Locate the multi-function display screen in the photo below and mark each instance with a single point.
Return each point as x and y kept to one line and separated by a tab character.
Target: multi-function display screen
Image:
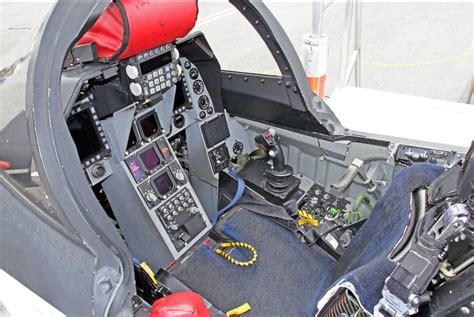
155	63
84	134
149	125
163	184
150	159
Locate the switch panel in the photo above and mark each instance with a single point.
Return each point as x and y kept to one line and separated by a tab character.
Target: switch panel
219	158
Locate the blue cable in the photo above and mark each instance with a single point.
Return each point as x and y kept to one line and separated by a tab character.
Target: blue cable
136	262
238	195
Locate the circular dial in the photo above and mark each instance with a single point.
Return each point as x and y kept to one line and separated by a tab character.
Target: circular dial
203	102
136	89
179	175
193	73
238	147
132	71
198	87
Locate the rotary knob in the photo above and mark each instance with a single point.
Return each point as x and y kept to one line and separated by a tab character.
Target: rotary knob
132	71
174	54
174	227
136	89
179	175
179	70
194	210
151	197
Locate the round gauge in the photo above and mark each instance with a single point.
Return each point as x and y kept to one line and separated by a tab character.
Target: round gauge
193	73
198	87
238	147
203	102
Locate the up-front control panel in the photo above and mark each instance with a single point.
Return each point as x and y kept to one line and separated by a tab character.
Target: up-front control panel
164	189
151	73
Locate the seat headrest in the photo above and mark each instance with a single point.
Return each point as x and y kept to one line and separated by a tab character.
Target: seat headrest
128	27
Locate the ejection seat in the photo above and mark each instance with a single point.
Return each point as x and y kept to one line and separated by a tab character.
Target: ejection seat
290	278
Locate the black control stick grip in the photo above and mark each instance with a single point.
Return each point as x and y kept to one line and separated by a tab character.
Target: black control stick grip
270	143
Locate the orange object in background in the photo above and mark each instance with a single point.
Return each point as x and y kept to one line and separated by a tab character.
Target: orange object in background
317	85
4	165
315	60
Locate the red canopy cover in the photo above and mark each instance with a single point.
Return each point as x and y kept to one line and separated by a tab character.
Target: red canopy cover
128	27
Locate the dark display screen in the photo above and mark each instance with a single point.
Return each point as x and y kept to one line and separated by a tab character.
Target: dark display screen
135	168
155	63
163	184
150	159
149	125
132	139
180	99
84	134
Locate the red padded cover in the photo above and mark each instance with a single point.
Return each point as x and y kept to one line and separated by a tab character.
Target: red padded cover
182	304
151	23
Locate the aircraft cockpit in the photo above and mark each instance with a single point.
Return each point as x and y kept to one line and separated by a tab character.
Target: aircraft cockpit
245	188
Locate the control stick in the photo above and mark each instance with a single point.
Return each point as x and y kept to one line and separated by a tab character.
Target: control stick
278	174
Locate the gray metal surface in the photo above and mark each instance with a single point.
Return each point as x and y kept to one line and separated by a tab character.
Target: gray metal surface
111	279
40	254
138	229
288	61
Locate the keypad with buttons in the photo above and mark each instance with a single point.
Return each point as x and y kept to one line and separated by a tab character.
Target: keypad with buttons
177	210
160	79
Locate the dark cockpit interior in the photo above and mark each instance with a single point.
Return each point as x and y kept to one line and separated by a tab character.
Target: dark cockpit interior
226	183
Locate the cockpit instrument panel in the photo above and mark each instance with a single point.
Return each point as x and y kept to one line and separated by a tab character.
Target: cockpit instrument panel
150	73
87	134
90	140
162	185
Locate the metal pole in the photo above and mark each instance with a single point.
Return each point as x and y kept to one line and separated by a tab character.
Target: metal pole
315	51
358	40
345	45
317	22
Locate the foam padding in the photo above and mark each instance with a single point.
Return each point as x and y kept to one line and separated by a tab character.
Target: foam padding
365	263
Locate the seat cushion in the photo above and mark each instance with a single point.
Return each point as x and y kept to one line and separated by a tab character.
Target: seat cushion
366	263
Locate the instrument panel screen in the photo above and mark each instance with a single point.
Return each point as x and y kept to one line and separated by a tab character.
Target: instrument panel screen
84	134
155	63
163	184
150	159
149	125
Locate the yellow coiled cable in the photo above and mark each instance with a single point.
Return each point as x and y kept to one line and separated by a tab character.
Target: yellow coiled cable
224	245
306	218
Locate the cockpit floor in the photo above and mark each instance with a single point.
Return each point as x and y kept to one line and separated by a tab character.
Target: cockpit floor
286	280
289	278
